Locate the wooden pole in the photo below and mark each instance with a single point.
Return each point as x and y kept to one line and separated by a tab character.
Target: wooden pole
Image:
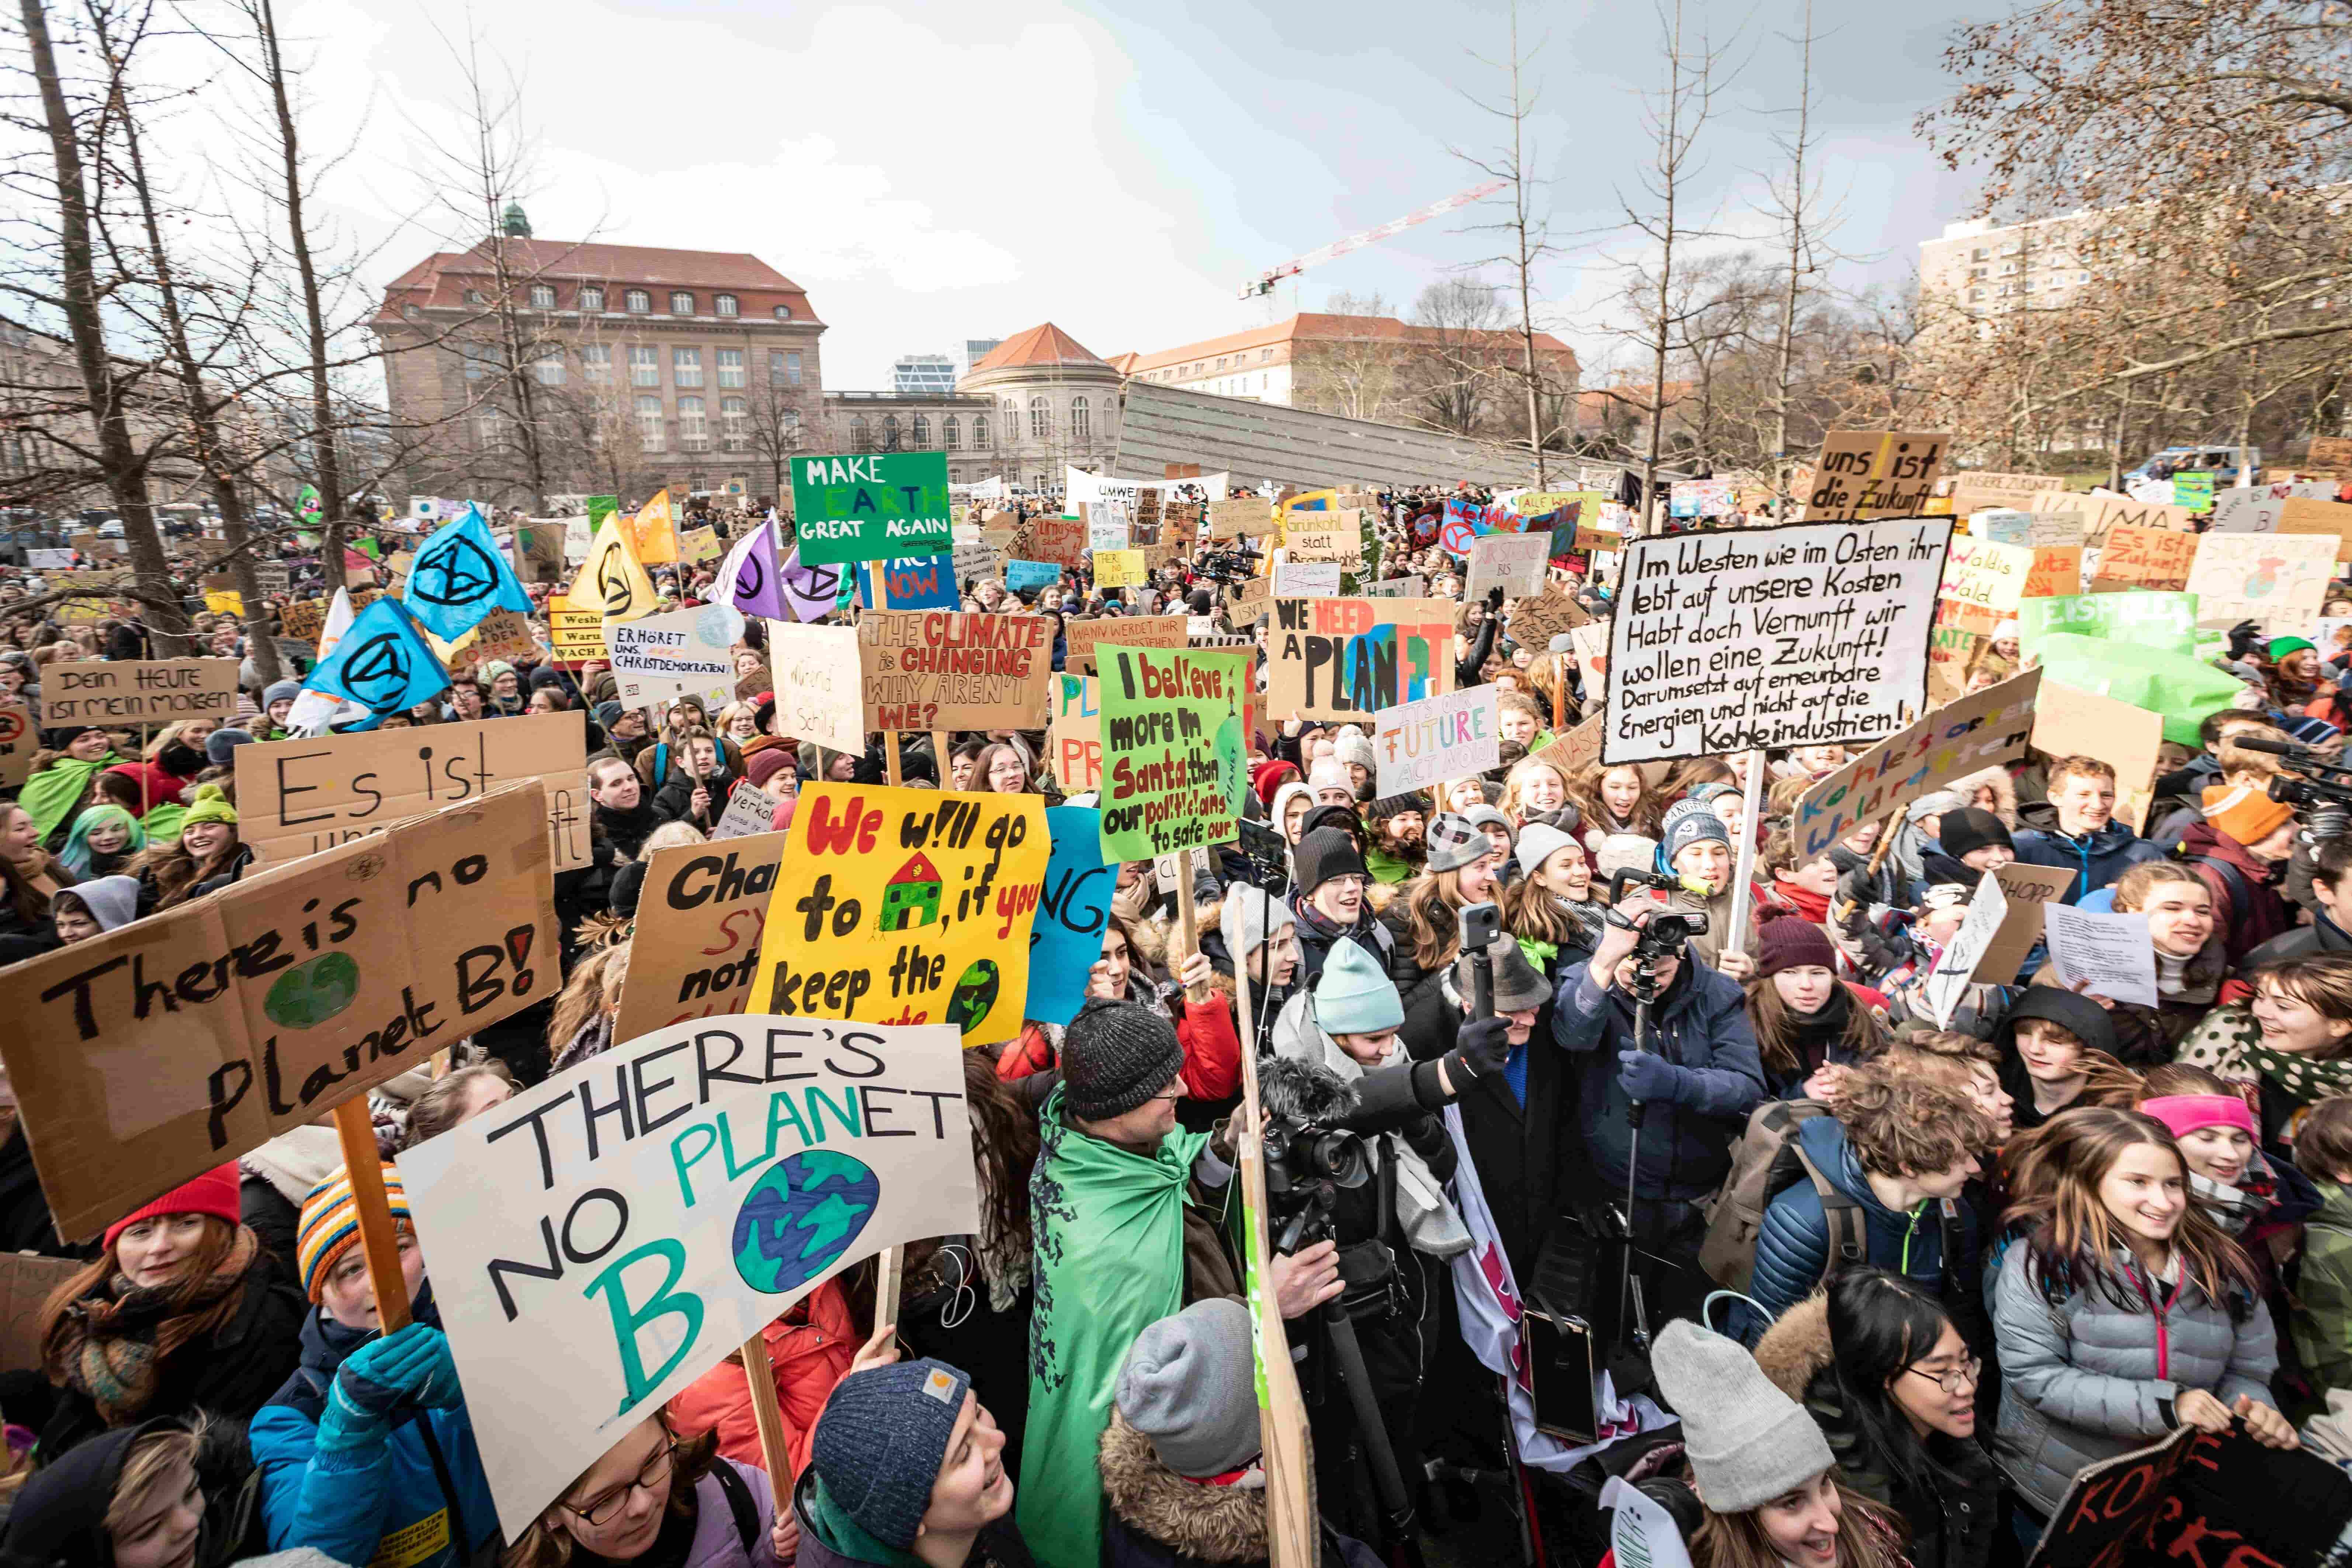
1559	662
1878	857
365	1167
1744	863
1187	931
142	772
759	1377
891	1268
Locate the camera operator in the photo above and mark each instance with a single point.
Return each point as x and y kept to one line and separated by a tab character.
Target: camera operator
1698	1078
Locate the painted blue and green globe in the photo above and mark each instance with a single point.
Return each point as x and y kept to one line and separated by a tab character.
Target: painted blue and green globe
800	1215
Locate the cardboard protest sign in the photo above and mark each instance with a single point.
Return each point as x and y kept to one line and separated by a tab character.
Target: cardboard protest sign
2199	1497
1580	747
1066	942
1105	532
2071	723
1975	491
1082	638
1951	649
2300	514
696	944
2279	580
1121	569
2180	687
1250	598
2107	511
1777	636
137	691
871	508
820	684
1022	575
1413	586
1591	643
1175	753
1972	733
1866	474
1987	575
1416	744
2057	570
2100	954
2137	557
1325	536
906	906
2004	921
369	779
2330	452
1234	519
25	1282
1073	738
750	810
698	545
1348	658
678	653
975	559
1307	579
2193	491
574	636
952	669
157	1050
19	740
766	1155
1535	622
1514	561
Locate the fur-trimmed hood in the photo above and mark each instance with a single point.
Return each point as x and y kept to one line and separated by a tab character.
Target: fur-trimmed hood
2005	793
1215	1524
1797	1347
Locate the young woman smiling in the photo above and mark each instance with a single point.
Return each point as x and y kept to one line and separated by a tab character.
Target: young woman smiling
2287	1049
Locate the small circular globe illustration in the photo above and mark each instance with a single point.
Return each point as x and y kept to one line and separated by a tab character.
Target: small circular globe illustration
720	625
800	1215
974	993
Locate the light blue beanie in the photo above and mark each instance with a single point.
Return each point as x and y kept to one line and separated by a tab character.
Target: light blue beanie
1354	995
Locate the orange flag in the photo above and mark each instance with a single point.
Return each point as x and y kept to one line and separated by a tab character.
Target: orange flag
653	530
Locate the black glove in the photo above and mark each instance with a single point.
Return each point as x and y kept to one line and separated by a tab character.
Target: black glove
2241	638
1483	1047
1495	597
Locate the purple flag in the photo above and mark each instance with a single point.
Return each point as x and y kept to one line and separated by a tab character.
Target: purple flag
811	591
748	578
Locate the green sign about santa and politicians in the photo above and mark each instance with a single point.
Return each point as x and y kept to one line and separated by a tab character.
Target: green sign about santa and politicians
1174	752
871	507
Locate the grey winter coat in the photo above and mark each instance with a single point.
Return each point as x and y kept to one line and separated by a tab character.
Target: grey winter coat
2081	1381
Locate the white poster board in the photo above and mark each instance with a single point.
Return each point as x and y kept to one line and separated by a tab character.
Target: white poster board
678	653
1307	579
1516	561
1416	744
750	810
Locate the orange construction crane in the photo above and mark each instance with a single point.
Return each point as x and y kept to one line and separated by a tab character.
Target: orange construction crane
1265	284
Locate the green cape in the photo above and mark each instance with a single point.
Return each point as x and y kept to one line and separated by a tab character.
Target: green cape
51	794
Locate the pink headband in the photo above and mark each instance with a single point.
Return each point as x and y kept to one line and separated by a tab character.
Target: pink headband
2185	1114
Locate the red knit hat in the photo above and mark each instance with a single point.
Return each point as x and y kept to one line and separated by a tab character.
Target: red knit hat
1792	942
214	1192
1269	775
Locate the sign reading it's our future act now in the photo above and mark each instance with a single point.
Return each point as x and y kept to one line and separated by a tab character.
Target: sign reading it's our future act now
871	508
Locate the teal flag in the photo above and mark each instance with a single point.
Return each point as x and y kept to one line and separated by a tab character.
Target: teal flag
382	663
460	575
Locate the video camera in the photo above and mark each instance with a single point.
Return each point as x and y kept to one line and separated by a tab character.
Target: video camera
1667	931
2329	803
1227	565
1309	1156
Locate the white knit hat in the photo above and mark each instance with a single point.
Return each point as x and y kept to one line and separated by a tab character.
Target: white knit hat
1747	1442
1249	918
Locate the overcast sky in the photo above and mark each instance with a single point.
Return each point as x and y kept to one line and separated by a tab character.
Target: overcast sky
932	171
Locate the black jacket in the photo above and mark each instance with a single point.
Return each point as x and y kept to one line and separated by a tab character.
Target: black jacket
25	1223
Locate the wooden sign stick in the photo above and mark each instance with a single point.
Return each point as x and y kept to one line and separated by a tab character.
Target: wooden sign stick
381	1244
891	1268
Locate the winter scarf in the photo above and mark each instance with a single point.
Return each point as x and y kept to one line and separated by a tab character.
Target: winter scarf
1812	906
1324	928
111	1347
2228	1043
297	1161
1815	1038
53	793
1427	1217
593	1038
845	1535
1093	1201
2234	1208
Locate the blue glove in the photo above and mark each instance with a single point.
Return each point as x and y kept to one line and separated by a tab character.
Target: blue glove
1645	1077
409	1367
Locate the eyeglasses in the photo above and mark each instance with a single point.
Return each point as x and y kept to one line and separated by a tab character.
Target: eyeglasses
653	1477
1961	1376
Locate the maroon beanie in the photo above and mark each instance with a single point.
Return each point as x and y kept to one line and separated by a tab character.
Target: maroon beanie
1790	942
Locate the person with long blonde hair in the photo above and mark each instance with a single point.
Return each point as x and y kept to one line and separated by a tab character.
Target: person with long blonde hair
1536	787
582	1026
2121	1312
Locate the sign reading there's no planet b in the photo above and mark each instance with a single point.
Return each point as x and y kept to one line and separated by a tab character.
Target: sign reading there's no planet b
588	1265
679	653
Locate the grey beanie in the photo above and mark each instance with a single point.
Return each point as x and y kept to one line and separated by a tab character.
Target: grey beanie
1356	749
1251	917
1699	827
1483	817
878	1443
1747	1442
1538	842
1624	852
220	746
282	691
1454	842
1191	1385
1115	1055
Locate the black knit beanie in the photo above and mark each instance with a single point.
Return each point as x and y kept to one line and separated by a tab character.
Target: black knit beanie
1115	1055
1325	853
1967	827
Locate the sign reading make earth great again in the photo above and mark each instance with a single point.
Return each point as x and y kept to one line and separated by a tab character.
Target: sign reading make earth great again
871	508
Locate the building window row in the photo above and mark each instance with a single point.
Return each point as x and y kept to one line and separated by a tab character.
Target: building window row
589	300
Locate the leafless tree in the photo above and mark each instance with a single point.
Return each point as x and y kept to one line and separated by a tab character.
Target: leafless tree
1355	373
1454	376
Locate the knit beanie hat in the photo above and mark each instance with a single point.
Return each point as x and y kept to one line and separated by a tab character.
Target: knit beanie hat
1538	842
2185	1114
1389	805
1251	917
1624	852
1355	748
220	746
1700	826
1325	853
607	713
1270	775
1331	773
1517	984
2281	646
880	1440
212	805
1190	1384
1115	1055
329	1226
1746	1442
1792	942
2244	812
214	1192
1485	816
282	691
1354	995
1454	842
1967	827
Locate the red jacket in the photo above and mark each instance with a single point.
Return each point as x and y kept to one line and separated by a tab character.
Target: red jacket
1212	1050
810	1347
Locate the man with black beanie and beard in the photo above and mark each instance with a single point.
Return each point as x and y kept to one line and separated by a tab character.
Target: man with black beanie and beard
1400	847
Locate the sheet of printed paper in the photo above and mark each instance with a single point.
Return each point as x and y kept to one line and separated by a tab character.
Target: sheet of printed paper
2107	956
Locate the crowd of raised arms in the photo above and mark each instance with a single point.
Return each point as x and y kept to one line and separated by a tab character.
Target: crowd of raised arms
1913	1260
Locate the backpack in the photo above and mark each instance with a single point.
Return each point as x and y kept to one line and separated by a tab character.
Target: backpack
2235	881
1766	1161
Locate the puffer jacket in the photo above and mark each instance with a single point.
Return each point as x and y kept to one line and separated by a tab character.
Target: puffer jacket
2087	1378
1792	1246
810	1347
2095	859
1952	1525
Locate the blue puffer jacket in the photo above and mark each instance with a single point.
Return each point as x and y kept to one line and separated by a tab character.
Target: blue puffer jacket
2095	859
1792	1247
346	1504
1700	1027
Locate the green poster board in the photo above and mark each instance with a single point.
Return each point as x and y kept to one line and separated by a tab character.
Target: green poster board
2193	491
2166	622
1174	760
2180	687
871	507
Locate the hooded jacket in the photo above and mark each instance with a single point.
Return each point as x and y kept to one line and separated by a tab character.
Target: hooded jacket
112	902
2084	1018
346	1503
2096	858
1792	1246
809	1348
59	1516
2247	908
1952	1525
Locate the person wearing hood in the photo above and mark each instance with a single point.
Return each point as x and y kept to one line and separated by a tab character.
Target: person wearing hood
162	1494
1329	900
1338	1060
1922	827
1181	1461
2076	829
2056	1047
94	908
2240	851
1254	930
370	1440
1900	1150
1969	842
906	1470
1699	1075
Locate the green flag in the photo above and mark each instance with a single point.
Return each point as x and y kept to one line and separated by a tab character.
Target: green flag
2181	688
599	508
2166	622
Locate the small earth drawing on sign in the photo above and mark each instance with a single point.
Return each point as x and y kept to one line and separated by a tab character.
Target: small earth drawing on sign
310	993
800	1217
975	995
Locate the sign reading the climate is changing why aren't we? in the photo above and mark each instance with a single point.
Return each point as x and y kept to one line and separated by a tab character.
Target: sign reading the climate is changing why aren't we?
1779	637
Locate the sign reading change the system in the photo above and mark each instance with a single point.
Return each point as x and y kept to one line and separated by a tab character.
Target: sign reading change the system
589	1265
872	508
1779	637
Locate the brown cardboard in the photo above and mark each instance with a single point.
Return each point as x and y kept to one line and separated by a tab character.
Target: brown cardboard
2027	888
820	684
1312	640
1074	739
26	1281
955	669
2140	557
1128	631
2070	722
145	1055
1233	519
137	691
18	741
1866	474
696	944
2308	514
